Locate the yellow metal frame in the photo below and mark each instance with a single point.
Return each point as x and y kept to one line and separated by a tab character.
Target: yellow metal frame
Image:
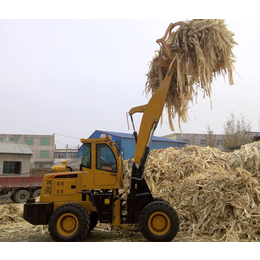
151	114
153	110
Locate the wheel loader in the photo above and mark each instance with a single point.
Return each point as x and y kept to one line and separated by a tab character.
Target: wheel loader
73	202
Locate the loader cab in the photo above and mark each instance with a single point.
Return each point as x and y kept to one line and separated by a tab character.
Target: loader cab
101	165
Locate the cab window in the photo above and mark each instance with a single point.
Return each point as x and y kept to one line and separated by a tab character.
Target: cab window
106	160
86	162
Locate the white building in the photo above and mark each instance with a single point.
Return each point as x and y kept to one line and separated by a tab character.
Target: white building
15	158
42	146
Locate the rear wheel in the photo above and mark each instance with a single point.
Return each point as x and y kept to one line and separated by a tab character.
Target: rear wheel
69	223
36	193
159	222
21	196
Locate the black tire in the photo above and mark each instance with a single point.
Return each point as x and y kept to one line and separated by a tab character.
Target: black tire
69	223
36	193
159	222
93	220
21	196
159	199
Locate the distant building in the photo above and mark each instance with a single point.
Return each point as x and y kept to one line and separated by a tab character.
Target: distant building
15	158
42	147
126	143
65	153
217	140
198	139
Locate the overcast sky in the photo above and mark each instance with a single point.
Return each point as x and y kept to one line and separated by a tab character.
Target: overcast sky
72	77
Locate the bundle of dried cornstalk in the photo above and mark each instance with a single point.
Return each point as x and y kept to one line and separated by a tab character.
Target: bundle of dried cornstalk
201	50
214	194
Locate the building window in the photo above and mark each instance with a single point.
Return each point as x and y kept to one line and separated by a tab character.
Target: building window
187	141
28	141
219	142
13	139
12	167
44	154
66	155
45	141
202	142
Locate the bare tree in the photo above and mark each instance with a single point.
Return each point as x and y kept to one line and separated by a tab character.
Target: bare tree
209	136
237	131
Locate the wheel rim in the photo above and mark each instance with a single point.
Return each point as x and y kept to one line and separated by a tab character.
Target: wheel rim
23	196
159	223
67	224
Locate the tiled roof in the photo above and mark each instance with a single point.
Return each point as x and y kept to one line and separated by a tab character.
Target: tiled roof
14	147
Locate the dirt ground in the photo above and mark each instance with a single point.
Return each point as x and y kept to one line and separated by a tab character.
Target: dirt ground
23	231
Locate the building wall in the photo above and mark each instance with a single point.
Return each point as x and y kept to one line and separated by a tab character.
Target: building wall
23	158
128	147
42	147
198	139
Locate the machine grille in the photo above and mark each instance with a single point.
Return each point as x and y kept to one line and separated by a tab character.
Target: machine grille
48	187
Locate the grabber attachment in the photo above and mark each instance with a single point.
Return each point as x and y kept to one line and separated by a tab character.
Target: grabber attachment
164	44
164	41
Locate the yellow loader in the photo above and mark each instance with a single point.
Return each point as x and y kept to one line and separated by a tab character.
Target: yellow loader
72	202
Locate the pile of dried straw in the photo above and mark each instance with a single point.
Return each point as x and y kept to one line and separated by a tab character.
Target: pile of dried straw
202	49
11	213
214	194
13	227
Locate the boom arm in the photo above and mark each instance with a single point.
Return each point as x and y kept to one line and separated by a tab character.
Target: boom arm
151	115
153	110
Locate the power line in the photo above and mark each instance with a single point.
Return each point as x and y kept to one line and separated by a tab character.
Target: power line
67	136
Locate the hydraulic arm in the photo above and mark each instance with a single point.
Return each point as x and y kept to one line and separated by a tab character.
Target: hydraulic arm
153	110
140	195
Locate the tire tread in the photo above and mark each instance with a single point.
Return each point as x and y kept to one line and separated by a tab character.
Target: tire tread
149	209
53	222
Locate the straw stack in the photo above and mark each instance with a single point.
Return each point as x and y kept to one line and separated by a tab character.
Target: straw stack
214	195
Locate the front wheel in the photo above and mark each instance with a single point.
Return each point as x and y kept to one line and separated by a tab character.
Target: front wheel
69	223
159	222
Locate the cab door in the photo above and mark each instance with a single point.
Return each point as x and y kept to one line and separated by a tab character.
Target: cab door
87	167
106	166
